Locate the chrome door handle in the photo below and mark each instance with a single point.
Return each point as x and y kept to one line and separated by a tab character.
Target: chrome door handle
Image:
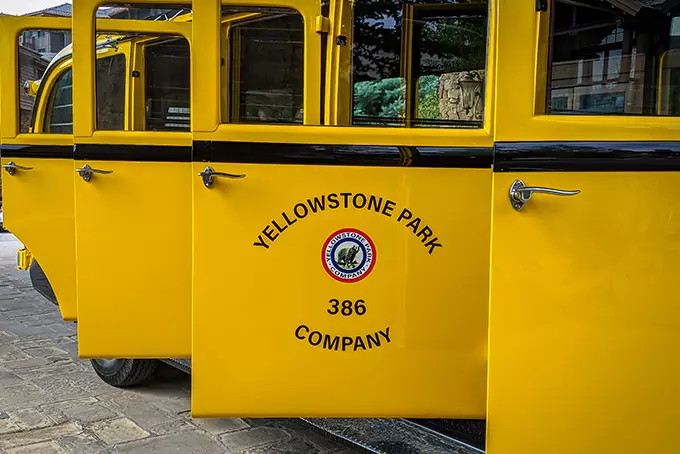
209	175
12	168
521	193
86	172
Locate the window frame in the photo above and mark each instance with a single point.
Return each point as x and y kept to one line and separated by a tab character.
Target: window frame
85	27
522	75
207	121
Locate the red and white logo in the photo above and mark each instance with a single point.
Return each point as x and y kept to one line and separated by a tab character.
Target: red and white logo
348	255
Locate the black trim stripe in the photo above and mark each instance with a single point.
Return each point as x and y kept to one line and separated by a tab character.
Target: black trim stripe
37	151
586	156
144	153
506	156
344	155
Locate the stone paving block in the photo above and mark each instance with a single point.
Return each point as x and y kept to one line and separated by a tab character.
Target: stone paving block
180	443
15	439
11	353
119	430
46	447
46	351
253	438
8	378
171	427
85	410
30	418
7	338
25	364
8	426
220	426
48	370
83	443
22	395
143	412
60	387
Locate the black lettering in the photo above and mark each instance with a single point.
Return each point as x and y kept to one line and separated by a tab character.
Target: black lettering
359	343
333	201
318	334
362	198
329	344
278	227
425	232
345	195
318	204
433	244
288	221
268	233
261	242
297	331
346	342
414	224
373	340
388	208
405	214
304	210
373	201
386	334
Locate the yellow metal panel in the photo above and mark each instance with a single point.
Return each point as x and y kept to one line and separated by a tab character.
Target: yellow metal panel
264	341
134	260
584	314
38	210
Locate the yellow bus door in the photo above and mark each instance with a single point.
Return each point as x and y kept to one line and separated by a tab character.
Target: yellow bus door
584	341
37	158
132	187
338	271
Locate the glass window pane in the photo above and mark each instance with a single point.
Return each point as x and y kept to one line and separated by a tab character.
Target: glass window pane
265	75
617	58
167	85
419	63
111	78
59	118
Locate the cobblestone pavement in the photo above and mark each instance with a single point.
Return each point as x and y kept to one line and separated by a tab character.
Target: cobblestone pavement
52	402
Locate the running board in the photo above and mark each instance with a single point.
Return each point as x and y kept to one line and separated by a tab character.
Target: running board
391	436
378	435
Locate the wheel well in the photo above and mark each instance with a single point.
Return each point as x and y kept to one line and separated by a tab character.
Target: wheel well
41	283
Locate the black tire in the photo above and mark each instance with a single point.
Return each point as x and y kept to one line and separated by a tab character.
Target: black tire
123	373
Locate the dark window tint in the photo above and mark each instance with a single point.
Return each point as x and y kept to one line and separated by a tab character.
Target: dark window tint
167	82
111	78
59	118
614	57
266	75
419	63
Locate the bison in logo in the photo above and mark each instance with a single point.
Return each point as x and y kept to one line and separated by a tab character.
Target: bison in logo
347	256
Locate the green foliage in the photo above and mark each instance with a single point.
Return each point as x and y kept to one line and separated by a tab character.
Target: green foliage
428	97
384	98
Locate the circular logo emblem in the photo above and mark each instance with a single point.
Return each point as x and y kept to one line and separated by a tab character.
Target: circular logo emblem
348	255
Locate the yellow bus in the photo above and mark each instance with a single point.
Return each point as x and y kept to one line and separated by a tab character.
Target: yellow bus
371	212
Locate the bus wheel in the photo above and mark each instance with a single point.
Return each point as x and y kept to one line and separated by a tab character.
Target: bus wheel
124	372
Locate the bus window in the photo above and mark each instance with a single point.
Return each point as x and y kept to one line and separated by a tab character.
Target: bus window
612	60
167	85
265	66
59	118
419	64
110	90
111	77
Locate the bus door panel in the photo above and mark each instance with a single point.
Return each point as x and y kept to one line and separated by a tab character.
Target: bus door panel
132	187
37	154
336	272
583	341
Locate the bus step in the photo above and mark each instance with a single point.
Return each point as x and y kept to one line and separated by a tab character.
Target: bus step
391	436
